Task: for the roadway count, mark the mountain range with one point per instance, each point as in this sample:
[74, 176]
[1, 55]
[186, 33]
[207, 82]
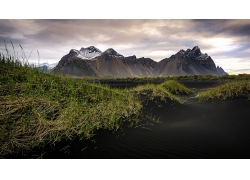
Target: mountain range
[91, 61]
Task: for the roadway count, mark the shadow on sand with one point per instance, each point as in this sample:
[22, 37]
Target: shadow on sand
[215, 129]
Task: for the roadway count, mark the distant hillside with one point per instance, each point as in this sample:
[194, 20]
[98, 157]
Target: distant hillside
[91, 61]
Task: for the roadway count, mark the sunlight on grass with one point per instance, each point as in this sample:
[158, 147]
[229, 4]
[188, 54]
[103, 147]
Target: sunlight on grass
[163, 92]
[38, 109]
[175, 87]
[227, 90]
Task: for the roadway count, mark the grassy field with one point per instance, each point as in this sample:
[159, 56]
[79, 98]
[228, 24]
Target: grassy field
[39, 109]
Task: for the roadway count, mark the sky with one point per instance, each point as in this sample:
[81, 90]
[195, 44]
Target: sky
[226, 41]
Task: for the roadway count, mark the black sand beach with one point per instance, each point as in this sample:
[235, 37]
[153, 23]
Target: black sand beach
[215, 129]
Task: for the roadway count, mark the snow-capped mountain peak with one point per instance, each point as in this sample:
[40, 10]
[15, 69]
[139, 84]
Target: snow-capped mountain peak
[89, 52]
[111, 52]
[111, 63]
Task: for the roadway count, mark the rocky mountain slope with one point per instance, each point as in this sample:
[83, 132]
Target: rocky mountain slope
[221, 71]
[91, 61]
[189, 62]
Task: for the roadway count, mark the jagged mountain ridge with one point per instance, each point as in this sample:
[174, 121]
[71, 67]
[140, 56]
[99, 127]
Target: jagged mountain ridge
[189, 62]
[221, 71]
[91, 61]
[89, 52]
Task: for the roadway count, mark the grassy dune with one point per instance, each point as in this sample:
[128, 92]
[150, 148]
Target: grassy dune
[162, 92]
[39, 109]
[227, 90]
[175, 87]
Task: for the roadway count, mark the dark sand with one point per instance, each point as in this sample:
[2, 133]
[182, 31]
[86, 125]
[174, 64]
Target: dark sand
[215, 129]
[209, 130]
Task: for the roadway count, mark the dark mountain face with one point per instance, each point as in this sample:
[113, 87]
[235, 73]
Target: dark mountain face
[221, 71]
[189, 62]
[63, 62]
[143, 61]
[147, 62]
[91, 61]
[111, 53]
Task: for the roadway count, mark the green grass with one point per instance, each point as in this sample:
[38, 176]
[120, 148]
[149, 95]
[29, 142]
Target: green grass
[162, 92]
[227, 90]
[189, 78]
[167, 78]
[38, 109]
[175, 87]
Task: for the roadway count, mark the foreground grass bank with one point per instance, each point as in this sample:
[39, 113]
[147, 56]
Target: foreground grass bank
[227, 90]
[38, 109]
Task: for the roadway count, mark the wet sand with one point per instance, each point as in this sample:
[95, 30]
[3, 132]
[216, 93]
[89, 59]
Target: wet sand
[215, 129]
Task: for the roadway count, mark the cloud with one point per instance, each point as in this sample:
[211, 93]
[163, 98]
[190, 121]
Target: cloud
[156, 39]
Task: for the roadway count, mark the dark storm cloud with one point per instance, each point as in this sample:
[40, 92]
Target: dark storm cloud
[55, 37]
[63, 31]
[222, 27]
[237, 28]
[242, 30]
[208, 27]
